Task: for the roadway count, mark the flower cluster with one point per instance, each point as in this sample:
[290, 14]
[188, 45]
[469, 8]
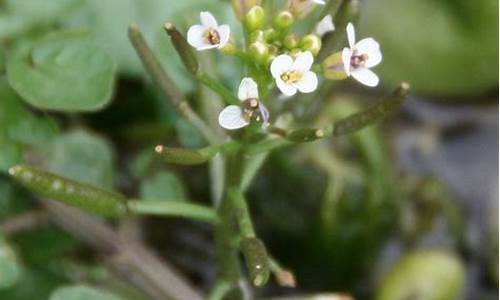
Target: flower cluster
[282, 57]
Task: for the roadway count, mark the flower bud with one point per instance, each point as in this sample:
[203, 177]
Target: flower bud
[259, 51]
[301, 8]
[230, 47]
[242, 7]
[291, 41]
[333, 67]
[257, 36]
[254, 19]
[283, 20]
[269, 35]
[311, 43]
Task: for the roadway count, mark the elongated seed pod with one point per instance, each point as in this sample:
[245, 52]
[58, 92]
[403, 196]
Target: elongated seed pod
[184, 50]
[256, 259]
[73, 193]
[305, 135]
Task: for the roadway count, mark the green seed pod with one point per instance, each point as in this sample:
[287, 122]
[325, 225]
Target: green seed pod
[255, 17]
[183, 156]
[430, 275]
[333, 67]
[312, 43]
[242, 7]
[183, 49]
[256, 260]
[283, 21]
[305, 135]
[259, 51]
[84, 196]
[291, 41]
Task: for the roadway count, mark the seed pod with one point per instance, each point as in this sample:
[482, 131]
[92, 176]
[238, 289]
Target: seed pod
[305, 135]
[256, 259]
[255, 17]
[183, 49]
[84, 196]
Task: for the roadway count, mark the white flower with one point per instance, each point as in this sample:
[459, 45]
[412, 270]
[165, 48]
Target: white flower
[209, 34]
[301, 8]
[292, 75]
[360, 57]
[324, 26]
[321, 2]
[238, 116]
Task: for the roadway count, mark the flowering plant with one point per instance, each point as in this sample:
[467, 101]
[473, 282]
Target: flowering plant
[287, 81]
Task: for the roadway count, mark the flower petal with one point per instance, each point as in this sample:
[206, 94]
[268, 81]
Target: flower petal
[303, 61]
[248, 89]
[346, 59]
[224, 34]
[208, 20]
[231, 117]
[321, 2]
[365, 76]
[308, 84]
[280, 65]
[324, 26]
[351, 36]
[371, 48]
[264, 112]
[286, 89]
[195, 36]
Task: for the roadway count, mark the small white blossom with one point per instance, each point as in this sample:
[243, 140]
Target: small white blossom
[292, 75]
[301, 8]
[324, 26]
[238, 116]
[360, 57]
[209, 34]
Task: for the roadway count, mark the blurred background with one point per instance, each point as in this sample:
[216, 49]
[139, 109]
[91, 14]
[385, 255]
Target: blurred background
[404, 210]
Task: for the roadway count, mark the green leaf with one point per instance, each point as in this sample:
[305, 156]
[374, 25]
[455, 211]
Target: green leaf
[20, 16]
[82, 156]
[20, 124]
[62, 72]
[81, 292]
[10, 270]
[163, 186]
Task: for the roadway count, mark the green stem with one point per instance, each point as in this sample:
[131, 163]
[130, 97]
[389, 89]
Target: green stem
[166, 84]
[220, 290]
[218, 88]
[174, 209]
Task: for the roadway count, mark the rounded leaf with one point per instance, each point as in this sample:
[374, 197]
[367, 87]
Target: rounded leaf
[62, 73]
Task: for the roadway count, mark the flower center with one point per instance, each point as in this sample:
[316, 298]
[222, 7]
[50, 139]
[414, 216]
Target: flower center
[358, 60]
[212, 36]
[291, 76]
[251, 109]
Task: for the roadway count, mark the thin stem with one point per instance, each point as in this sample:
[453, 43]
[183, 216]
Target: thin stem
[220, 290]
[166, 84]
[174, 209]
[218, 88]
[242, 214]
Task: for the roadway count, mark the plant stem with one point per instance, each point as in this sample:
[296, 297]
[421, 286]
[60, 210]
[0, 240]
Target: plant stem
[166, 84]
[218, 88]
[173, 208]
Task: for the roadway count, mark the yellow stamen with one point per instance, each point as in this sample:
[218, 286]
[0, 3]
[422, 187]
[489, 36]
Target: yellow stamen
[291, 76]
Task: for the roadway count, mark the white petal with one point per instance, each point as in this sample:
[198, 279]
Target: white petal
[308, 83]
[195, 36]
[280, 65]
[322, 2]
[208, 20]
[365, 76]
[303, 61]
[324, 26]
[231, 117]
[286, 89]
[224, 34]
[371, 48]
[248, 89]
[346, 59]
[351, 36]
